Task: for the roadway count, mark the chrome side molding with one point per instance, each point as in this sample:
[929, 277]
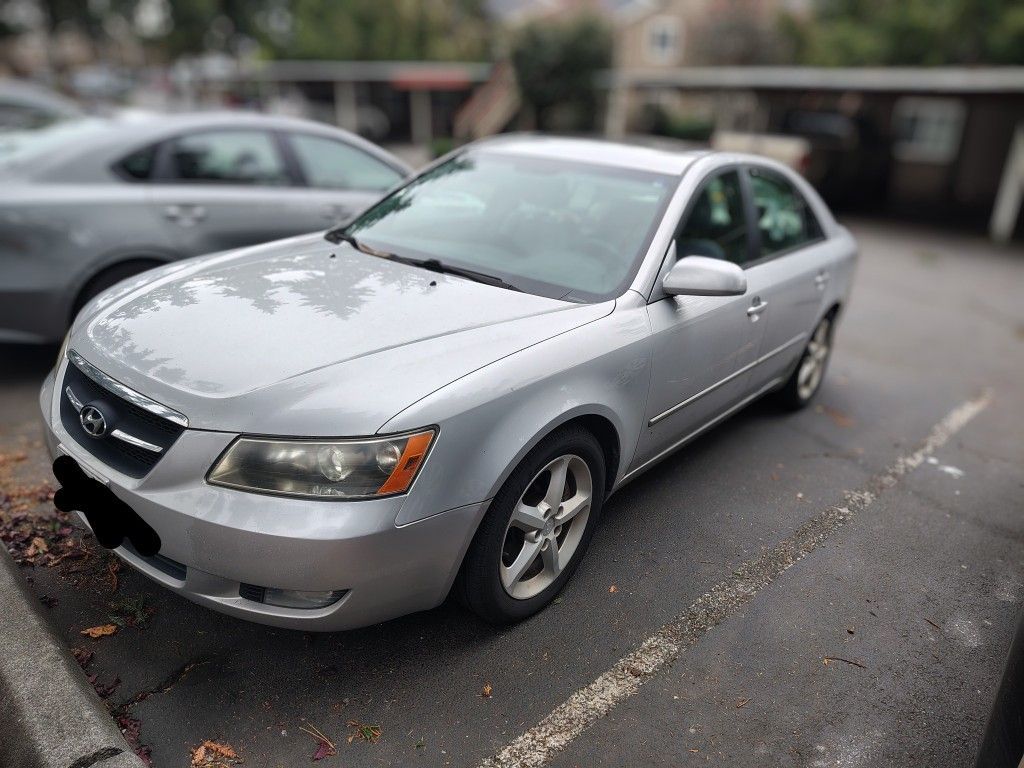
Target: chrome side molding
[763, 358]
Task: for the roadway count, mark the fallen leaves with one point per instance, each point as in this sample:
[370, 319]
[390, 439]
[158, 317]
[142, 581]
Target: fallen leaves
[613, 589]
[38, 546]
[324, 746]
[103, 690]
[363, 732]
[213, 753]
[82, 656]
[99, 631]
[131, 611]
[487, 690]
[742, 702]
[131, 728]
[838, 417]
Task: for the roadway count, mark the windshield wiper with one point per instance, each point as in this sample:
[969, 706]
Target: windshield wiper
[340, 236]
[436, 265]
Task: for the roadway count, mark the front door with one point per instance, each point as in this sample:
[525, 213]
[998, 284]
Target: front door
[704, 346]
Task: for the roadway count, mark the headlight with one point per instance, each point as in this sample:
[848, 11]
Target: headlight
[323, 469]
[63, 349]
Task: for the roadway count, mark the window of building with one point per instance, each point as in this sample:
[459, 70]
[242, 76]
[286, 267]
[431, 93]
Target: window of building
[927, 130]
[663, 40]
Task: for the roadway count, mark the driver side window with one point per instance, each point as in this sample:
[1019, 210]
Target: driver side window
[716, 225]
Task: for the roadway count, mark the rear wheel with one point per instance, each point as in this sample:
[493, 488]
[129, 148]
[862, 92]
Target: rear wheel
[807, 377]
[536, 530]
[108, 278]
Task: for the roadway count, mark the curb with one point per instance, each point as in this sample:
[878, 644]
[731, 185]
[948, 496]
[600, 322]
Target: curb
[49, 715]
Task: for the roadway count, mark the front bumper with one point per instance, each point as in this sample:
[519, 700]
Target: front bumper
[215, 540]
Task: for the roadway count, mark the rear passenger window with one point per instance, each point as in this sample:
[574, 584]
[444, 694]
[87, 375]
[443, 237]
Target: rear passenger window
[330, 164]
[228, 157]
[138, 166]
[784, 219]
[716, 225]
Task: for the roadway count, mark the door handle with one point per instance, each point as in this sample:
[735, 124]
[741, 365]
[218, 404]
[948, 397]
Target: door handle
[821, 280]
[757, 308]
[185, 215]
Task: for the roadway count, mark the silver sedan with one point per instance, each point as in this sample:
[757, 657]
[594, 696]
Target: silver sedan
[330, 431]
[86, 203]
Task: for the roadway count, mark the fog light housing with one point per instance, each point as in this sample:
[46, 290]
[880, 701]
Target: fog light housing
[291, 598]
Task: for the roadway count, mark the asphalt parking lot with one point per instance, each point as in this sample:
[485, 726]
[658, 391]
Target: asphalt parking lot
[836, 587]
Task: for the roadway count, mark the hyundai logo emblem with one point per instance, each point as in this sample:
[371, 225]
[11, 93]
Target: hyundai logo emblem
[93, 422]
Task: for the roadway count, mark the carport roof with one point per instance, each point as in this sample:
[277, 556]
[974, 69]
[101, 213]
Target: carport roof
[897, 79]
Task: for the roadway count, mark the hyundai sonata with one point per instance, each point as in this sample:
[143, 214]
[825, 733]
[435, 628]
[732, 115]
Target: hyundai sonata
[329, 431]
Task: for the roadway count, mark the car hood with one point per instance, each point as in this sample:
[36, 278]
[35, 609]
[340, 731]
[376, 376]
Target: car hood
[302, 337]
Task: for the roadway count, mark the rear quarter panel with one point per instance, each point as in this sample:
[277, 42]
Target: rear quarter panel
[55, 237]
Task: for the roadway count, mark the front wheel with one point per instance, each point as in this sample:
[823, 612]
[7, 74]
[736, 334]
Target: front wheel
[806, 379]
[536, 530]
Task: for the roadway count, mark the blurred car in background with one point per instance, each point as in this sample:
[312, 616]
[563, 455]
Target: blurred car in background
[87, 203]
[24, 106]
[849, 159]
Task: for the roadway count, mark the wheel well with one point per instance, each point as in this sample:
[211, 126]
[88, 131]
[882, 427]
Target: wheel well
[608, 437]
[126, 268]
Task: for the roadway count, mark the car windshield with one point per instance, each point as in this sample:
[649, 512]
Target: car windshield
[547, 226]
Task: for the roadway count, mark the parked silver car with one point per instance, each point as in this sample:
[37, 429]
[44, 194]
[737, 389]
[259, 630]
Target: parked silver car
[86, 203]
[326, 432]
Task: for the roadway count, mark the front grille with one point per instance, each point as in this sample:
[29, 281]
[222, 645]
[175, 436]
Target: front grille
[132, 460]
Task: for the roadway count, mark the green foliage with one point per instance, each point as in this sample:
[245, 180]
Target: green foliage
[659, 121]
[556, 65]
[386, 29]
[442, 145]
[908, 33]
[310, 29]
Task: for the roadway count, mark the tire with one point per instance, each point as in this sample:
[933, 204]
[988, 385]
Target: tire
[502, 547]
[108, 278]
[806, 379]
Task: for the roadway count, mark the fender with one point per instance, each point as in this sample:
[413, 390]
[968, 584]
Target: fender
[491, 418]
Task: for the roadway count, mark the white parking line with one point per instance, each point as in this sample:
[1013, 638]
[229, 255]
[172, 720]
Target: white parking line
[572, 717]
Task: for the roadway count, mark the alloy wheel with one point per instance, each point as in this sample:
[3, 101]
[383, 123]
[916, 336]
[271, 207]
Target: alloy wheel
[546, 527]
[812, 367]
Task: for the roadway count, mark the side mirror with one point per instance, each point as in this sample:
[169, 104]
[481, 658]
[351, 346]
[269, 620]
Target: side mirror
[703, 276]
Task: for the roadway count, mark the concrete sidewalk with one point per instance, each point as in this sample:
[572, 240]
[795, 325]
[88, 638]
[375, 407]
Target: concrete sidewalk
[49, 715]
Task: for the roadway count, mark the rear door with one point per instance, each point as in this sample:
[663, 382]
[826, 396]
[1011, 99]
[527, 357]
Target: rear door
[704, 346]
[226, 188]
[790, 273]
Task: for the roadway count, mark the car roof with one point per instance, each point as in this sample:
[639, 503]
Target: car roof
[136, 123]
[596, 151]
[111, 137]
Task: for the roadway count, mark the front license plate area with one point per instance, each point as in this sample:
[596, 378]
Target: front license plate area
[112, 520]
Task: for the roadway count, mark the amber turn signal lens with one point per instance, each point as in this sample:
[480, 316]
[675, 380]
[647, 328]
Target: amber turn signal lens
[408, 464]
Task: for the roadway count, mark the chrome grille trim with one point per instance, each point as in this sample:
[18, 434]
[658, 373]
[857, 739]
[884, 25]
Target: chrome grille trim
[118, 434]
[133, 397]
